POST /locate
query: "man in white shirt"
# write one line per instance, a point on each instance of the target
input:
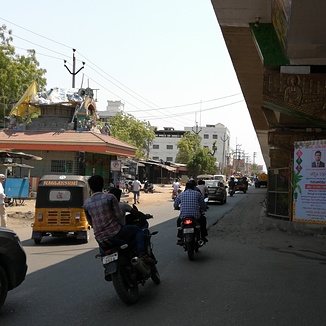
(3, 214)
(136, 186)
(176, 185)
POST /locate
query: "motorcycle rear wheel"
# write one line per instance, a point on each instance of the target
(127, 290)
(190, 250)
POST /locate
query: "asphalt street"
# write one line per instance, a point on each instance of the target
(249, 273)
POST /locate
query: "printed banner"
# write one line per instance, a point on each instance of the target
(309, 182)
(115, 165)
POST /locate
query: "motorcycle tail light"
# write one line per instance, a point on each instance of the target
(77, 216)
(187, 222)
(40, 217)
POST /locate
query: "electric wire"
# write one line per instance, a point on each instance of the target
(130, 91)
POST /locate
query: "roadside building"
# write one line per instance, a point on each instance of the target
(61, 128)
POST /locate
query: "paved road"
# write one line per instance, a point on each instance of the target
(245, 275)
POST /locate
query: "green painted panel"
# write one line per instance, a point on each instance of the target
(269, 45)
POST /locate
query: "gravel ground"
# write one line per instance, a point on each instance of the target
(247, 224)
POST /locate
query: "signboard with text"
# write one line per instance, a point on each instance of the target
(309, 182)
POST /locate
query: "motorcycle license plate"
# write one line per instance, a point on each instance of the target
(109, 258)
(188, 230)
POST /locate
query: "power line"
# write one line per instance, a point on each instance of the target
(139, 98)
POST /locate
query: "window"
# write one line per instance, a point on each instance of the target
(156, 158)
(169, 159)
(214, 136)
(169, 146)
(60, 195)
(206, 136)
(63, 166)
(156, 146)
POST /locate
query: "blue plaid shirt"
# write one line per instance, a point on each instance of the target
(191, 202)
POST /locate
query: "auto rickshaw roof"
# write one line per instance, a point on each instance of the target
(53, 177)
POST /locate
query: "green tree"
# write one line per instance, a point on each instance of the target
(16, 71)
(202, 162)
(134, 132)
(187, 147)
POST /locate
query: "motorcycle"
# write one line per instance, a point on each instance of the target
(190, 230)
(231, 191)
(175, 193)
(123, 266)
(190, 235)
(148, 187)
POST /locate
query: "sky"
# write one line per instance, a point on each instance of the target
(165, 60)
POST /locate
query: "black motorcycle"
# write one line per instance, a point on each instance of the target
(123, 266)
(190, 236)
(148, 187)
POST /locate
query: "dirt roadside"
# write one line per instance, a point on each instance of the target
(247, 223)
(23, 215)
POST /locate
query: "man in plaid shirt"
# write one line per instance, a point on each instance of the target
(105, 216)
(191, 204)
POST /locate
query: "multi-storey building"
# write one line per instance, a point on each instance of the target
(164, 146)
(211, 133)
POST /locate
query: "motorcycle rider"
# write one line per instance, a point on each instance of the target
(106, 218)
(191, 204)
(203, 188)
(134, 213)
(176, 185)
(231, 184)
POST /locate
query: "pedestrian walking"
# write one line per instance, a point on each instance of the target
(3, 214)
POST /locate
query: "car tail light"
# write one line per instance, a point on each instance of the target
(77, 216)
(40, 216)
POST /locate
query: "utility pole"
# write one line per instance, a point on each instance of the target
(224, 139)
(197, 133)
(74, 72)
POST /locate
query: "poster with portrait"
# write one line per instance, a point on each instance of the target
(116, 165)
(309, 182)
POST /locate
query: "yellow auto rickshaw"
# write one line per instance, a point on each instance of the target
(59, 207)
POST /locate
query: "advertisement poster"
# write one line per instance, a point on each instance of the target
(115, 165)
(309, 182)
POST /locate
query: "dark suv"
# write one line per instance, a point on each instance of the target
(13, 265)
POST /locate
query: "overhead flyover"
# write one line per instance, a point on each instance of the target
(278, 50)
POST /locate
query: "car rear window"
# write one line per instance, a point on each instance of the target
(211, 183)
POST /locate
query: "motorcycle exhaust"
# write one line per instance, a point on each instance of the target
(140, 266)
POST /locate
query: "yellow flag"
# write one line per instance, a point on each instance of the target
(23, 106)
